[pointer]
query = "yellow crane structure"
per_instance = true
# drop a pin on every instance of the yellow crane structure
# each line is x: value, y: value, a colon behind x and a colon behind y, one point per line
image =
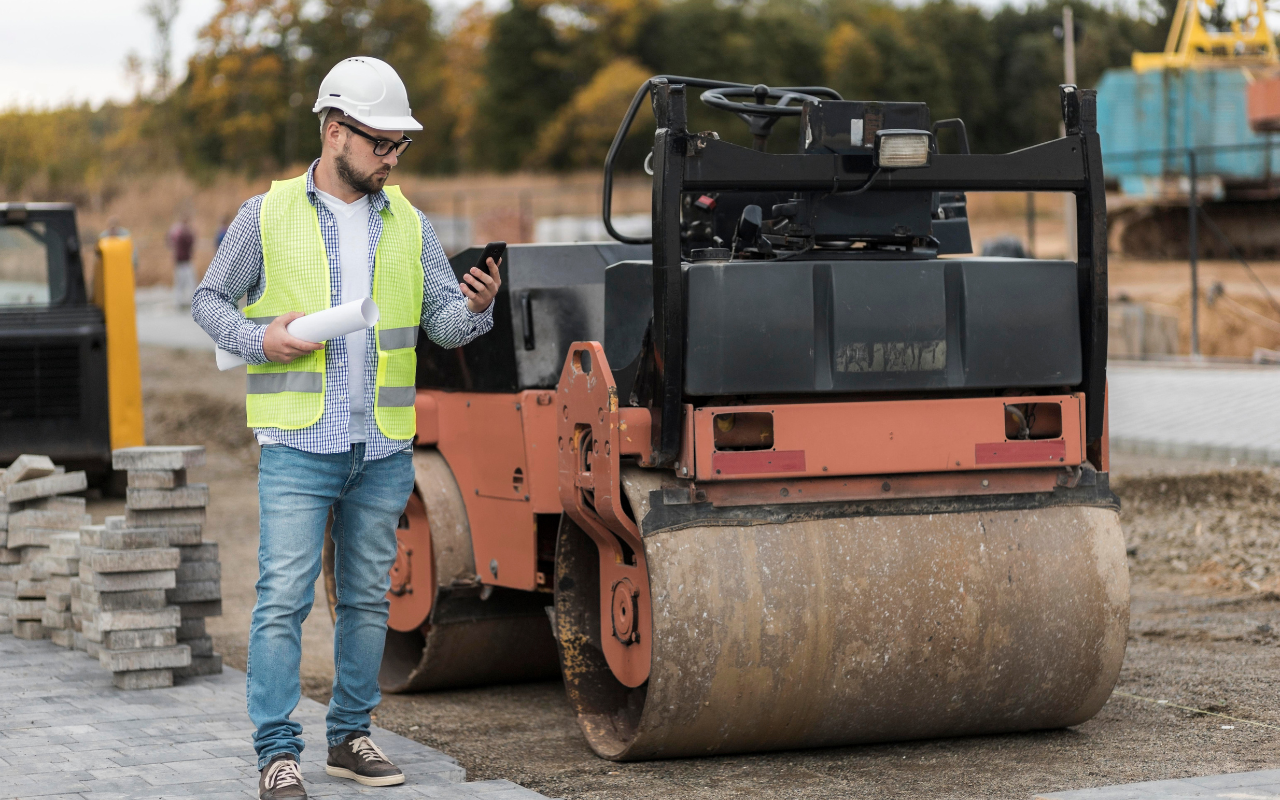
x: 1191, y: 45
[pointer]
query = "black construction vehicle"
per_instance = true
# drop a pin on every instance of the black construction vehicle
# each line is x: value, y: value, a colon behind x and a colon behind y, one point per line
x: 69, y: 377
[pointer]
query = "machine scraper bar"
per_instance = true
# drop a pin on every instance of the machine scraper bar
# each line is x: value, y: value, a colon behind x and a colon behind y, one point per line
x: 1054, y: 166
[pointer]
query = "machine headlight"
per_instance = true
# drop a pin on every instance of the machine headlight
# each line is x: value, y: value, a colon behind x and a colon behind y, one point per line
x: 896, y: 149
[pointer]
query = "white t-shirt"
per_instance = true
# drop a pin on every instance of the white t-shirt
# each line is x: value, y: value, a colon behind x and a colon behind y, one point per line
x: 353, y: 256
x: 353, y: 264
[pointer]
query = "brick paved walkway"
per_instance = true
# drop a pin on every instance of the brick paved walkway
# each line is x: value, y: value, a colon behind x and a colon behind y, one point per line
x: 65, y: 732
x: 1264, y: 785
x: 1196, y: 412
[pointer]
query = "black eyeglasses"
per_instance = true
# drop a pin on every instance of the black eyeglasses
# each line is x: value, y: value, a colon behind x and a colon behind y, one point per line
x: 381, y: 147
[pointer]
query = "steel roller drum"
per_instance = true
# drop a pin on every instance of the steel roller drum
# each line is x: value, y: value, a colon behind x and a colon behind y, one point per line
x: 855, y: 630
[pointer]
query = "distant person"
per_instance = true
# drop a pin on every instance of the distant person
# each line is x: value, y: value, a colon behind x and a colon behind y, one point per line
x: 182, y: 241
x: 221, y: 233
x: 336, y: 420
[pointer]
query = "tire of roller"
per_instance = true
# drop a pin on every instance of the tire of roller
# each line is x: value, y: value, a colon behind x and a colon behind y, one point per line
x: 465, y: 641
x: 849, y: 631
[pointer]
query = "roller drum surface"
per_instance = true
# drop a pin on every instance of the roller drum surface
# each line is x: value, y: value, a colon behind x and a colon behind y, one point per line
x: 858, y: 630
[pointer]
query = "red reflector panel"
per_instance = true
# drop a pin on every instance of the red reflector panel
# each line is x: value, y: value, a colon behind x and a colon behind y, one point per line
x: 1023, y: 452
x: 757, y: 462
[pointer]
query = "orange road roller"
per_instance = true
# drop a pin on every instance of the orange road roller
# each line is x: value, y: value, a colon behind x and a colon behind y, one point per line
x: 797, y: 470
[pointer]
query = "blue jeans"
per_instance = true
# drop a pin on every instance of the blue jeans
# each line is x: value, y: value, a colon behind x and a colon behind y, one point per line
x: 296, y: 490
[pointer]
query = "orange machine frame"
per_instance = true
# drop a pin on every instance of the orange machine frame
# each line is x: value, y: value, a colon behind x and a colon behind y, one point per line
x: 503, y: 451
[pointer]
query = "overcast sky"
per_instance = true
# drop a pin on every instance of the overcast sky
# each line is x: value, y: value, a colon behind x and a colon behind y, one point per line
x: 77, y: 53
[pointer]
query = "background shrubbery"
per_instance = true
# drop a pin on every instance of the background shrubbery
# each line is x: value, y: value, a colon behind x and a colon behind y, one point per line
x: 542, y: 84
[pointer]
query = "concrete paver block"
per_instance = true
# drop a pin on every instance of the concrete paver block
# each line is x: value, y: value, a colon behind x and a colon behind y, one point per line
x: 48, y: 486
x: 133, y: 581
x: 201, y: 646
x: 138, y: 619
x: 27, y: 629
x: 57, y: 601
x: 60, y: 565
x: 57, y: 503
x: 199, y: 571
x: 193, y: 495
x: 191, y: 629
x: 208, y: 551
x: 138, y: 639
x: 26, y: 467
x: 195, y: 592
x: 200, y: 665
x: 158, y: 457
x: 143, y: 679
x: 55, y: 619
x: 22, y: 610
x: 59, y: 520
x: 62, y: 638
x: 65, y: 544
x: 9, y: 555
x: 122, y: 601
x: 157, y: 478
x: 163, y: 518
x: 33, y: 590
x: 145, y: 658
x: 130, y: 539
x: 210, y: 608
x: 140, y: 560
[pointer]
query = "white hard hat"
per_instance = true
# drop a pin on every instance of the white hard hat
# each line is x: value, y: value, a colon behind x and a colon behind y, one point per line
x: 370, y: 91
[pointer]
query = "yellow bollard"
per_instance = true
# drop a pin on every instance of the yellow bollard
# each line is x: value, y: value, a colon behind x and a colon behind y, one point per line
x: 113, y: 292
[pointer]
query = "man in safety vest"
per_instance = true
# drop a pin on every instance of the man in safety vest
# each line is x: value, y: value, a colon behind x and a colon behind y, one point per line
x: 335, y: 420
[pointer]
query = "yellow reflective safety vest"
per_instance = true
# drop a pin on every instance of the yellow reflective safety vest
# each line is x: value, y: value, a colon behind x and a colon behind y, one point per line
x: 296, y: 272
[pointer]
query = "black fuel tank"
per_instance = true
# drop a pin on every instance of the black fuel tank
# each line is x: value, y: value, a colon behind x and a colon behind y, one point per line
x: 864, y: 326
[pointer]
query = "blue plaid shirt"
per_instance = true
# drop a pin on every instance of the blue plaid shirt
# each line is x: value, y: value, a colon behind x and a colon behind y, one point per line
x: 237, y: 270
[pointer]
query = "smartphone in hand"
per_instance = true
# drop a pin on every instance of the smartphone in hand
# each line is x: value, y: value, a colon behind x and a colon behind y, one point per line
x: 494, y: 250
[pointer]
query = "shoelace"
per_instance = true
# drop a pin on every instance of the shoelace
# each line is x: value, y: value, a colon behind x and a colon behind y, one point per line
x: 284, y: 772
x: 366, y: 749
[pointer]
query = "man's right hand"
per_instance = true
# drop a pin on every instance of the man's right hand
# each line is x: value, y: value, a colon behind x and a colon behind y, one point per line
x: 282, y: 347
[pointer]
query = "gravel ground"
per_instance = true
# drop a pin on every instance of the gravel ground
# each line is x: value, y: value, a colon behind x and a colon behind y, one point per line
x: 1204, y: 555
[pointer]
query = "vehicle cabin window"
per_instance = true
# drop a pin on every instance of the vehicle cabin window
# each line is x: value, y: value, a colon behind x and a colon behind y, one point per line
x: 31, y: 272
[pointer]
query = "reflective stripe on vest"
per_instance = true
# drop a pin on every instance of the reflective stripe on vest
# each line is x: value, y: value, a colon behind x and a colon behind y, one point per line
x: 397, y: 338
x: 396, y: 396
x: 273, y: 382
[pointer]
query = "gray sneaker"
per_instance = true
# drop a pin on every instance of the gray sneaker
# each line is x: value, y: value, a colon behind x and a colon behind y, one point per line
x: 359, y: 759
x: 281, y: 778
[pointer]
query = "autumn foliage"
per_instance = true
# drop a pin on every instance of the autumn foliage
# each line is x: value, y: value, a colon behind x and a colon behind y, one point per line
x: 541, y: 85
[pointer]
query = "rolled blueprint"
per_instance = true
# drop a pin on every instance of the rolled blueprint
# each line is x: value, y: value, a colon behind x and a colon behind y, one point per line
x: 320, y: 326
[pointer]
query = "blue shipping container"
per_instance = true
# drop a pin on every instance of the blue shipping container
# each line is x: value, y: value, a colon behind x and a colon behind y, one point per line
x: 1167, y: 110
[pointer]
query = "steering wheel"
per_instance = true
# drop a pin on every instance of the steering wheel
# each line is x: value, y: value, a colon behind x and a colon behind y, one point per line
x: 759, y: 115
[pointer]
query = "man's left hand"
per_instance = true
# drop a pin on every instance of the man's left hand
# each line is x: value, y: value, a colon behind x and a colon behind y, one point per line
x: 481, y: 288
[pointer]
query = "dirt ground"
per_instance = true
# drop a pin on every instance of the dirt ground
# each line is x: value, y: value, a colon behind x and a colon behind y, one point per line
x: 1203, y: 542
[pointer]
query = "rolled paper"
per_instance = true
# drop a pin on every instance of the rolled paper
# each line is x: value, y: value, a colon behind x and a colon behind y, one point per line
x: 320, y: 327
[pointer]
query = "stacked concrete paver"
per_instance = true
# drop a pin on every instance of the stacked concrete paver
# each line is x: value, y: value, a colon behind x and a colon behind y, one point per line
x: 39, y: 556
x: 126, y: 620
x: 161, y: 501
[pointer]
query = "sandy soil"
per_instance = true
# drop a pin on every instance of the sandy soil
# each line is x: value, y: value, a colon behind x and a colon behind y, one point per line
x: 1202, y: 636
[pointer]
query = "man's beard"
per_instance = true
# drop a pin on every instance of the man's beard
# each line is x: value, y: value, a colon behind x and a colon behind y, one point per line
x: 365, y: 184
